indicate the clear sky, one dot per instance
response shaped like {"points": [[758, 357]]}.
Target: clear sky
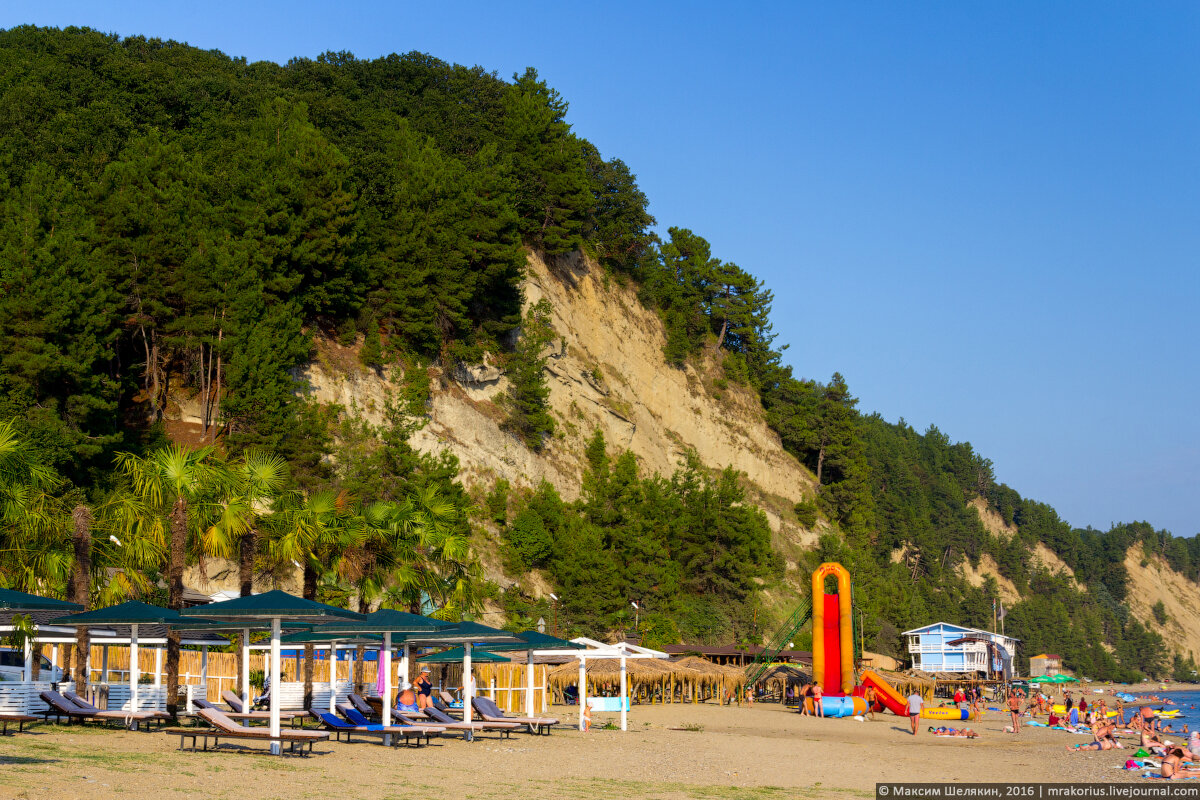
{"points": [[986, 215]]}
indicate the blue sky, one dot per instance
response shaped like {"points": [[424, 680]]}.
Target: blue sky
{"points": [[986, 215]]}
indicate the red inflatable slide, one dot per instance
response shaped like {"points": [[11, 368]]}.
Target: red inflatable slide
{"points": [[886, 694]]}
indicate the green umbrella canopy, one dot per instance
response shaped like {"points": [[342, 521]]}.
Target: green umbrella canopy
{"points": [[535, 640], [455, 656], [314, 637], [131, 612], [12, 599], [463, 632], [1054, 679], [385, 620], [268, 606]]}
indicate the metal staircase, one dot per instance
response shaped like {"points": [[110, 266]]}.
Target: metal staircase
{"points": [[757, 668]]}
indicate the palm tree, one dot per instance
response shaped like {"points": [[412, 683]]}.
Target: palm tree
{"points": [[30, 549], [189, 487], [427, 556], [321, 534], [258, 478]]}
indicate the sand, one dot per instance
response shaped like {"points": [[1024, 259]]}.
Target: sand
{"points": [[731, 752]]}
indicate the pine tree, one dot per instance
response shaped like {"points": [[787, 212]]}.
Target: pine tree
{"points": [[528, 395]]}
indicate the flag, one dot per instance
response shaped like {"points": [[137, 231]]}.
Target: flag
{"points": [[1002, 611]]}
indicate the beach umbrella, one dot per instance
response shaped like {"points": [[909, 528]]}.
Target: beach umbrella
{"points": [[387, 621], [132, 613], [456, 654], [11, 599], [467, 634], [271, 610], [531, 641], [332, 640]]}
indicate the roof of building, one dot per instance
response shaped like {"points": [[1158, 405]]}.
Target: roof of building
{"points": [[962, 628], [1046, 655], [732, 650]]}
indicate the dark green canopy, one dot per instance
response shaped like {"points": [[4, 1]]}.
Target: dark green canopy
{"points": [[455, 655], [315, 637], [535, 640], [131, 612], [385, 620], [268, 606], [12, 599], [463, 632]]}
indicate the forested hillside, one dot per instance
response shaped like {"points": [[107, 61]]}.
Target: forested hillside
{"points": [[180, 223]]}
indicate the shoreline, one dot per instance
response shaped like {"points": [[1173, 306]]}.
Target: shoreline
{"points": [[723, 752]]}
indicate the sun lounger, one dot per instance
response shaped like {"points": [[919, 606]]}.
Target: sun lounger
{"points": [[19, 719], [361, 705], [293, 718], [439, 717], [224, 727], [239, 709], [449, 700], [59, 707], [491, 713], [407, 732], [86, 706]]}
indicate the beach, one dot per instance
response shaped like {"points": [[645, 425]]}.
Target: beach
{"points": [[721, 752]]}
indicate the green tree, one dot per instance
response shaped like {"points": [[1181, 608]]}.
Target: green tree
{"points": [[188, 488], [528, 395]]}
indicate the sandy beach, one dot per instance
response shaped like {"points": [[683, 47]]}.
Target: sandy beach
{"points": [[729, 752]]}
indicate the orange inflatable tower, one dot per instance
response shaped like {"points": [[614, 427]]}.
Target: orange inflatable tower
{"points": [[833, 635]]}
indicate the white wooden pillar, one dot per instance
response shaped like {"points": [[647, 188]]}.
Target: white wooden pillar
{"points": [[385, 664], [103, 664], [54, 656], [582, 694], [276, 686], [404, 653], [468, 683], [623, 691], [158, 653], [204, 667], [28, 671], [333, 676], [245, 669], [529, 712], [134, 671]]}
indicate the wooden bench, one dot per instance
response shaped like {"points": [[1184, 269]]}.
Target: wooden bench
{"points": [[203, 735], [20, 719]]}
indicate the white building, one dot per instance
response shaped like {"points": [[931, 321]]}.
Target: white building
{"points": [[931, 650]]}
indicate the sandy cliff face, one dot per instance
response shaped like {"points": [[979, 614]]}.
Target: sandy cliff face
{"points": [[606, 371]]}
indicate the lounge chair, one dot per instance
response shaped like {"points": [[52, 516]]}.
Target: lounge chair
{"points": [[19, 719], [86, 706], [240, 710], [449, 700], [362, 706], [224, 727], [60, 707], [407, 732], [491, 713], [467, 729], [439, 717]]}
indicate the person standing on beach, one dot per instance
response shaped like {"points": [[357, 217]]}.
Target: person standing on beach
{"points": [[805, 692], [1014, 709], [870, 699], [817, 692], [915, 704]]}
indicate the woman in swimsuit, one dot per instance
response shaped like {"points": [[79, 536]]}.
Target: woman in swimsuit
{"points": [[424, 690]]}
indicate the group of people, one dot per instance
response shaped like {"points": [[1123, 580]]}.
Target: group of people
{"points": [[813, 692]]}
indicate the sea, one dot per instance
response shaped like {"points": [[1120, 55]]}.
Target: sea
{"points": [[1188, 704]]}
